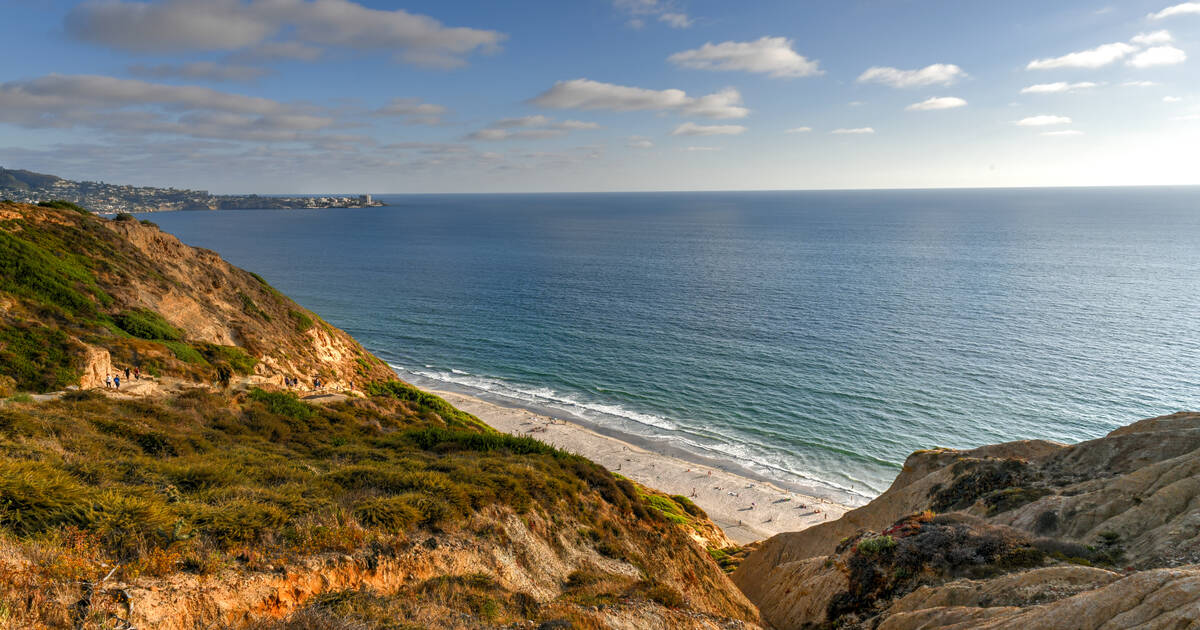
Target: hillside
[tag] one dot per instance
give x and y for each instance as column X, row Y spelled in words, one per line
column 206, row 495
column 1102, row 534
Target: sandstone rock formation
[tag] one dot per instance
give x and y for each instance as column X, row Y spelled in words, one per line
column 1031, row 516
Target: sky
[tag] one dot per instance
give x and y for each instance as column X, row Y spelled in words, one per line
column 350, row 96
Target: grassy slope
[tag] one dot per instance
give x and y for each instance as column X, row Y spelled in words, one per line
column 211, row 483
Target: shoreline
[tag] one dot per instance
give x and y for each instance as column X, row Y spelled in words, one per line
column 747, row 509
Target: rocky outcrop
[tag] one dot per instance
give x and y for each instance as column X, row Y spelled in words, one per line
column 97, row 365
column 1128, row 503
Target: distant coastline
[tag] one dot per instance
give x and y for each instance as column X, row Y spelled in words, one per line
column 104, row 198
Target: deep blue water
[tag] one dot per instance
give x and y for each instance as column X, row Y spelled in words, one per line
column 815, row 338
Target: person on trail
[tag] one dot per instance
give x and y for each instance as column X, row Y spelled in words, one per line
column 107, row 381
column 117, row 381
column 127, row 374
column 137, row 373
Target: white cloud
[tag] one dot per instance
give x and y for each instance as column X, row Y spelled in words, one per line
column 700, row 149
column 1043, row 120
column 179, row 25
column 1152, row 39
column 799, row 130
column 200, row 71
column 639, row 142
column 1158, row 56
column 1064, row 132
column 1097, row 57
column 675, row 20
column 856, row 103
column 1187, row 117
column 1058, row 88
column 937, row 102
column 1192, row 8
column 772, row 56
column 593, row 95
column 1172, row 99
column 692, row 129
column 414, row 111
column 854, row 131
column 936, row 74
column 522, row 134
column 1140, row 84
column 525, row 121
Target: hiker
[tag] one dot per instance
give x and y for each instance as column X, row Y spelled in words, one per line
column 137, row 373
column 127, row 373
column 117, row 381
column 107, row 381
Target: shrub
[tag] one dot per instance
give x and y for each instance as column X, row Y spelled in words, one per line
column 123, row 217
column 128, row 523
column 876, row 546
column 283, row 403
column 64, row 205
column 232, row 356
column 240, row 521
column 30, row 271
column 34, row 499
column 393, row 514
column 147, row 324
column 443, row 440
column 426, row 401
column 302, row 321
column 252, row 309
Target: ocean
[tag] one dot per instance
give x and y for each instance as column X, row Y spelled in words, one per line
column 810, row 338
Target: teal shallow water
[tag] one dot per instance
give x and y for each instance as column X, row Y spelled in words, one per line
column 814, row 338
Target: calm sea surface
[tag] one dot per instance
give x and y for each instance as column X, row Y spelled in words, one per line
column 815, row 338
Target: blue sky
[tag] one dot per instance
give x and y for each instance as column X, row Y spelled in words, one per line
column 310, row 96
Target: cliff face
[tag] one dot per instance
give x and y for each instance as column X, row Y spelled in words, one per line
column 124, row 293
column 1102, row 534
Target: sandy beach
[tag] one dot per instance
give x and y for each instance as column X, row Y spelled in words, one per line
column 747, row 509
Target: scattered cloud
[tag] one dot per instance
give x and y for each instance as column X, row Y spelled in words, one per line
column 1187, row 8
column 1063, row 132
column 854, row 131
column 200, row 71
column 936, row 74
column 639, row 142
column 692, row 129
column 593, row 95
column 277, row 51
column 414, row 111
column 700, row 149
column 521, row 134
column 1172, row 99
column 856, row 103
column 936, row 103
column 1097, row 57
column 1187, row 117
column 1058, row 88
column 638, row 10
column 1043, row 120
column 1152, row 39
column 772, row 56
column 234, row 25
column 536, row 127
column 1140, row 84
column 675, row 20
column 1158, row 56
column 799, row 130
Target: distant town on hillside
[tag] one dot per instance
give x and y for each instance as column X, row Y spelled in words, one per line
column 101, row 197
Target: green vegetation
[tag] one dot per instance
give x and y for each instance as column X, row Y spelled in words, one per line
column 37, row 358
column 31, row 271
column 250, row 308
column 64, row 205
column 426, row 403
column 302, row 321
column 232, row 356
column 144, row 323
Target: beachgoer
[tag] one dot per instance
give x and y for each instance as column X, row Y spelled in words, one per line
column 693, row 493
column 107, row 381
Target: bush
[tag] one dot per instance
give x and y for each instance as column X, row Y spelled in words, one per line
column 232, row 356
column 38, row 358
column 64, row 205
column 185, row 352
column 393, row 514
column 283, row 403
column 302, row 321
column 34, row 499
column 128, row 524
column 30, row 271
column 426, row 401
column 240, row 521
column 147, row 324
column 443, row 440
column 876, row 546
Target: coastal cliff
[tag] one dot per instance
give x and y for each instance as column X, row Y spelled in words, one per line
column 207, row 495
column 1101, row 534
